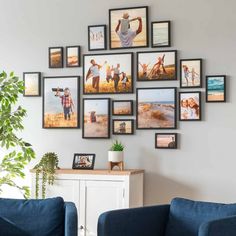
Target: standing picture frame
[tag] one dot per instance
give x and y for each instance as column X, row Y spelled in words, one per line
column 83, row 161
column 123, row 126
column 32, row 84
column 97, row 37
column 166, row 140
column 122, row 107
column 73, row 58
column 55, row 57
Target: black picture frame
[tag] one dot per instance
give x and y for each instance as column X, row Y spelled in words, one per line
column 38, row 94
column 68, row 65
column 146, row 25
column 84, row 136
column 122, row 128
column 199, row 105
column 122, row 101
column 208, row 77
column 168, row 22
column 66, row 78
column 61, row 63
column 200, row 73
column 130, row 54
column 74, row 165
column 105, row 38
column 175, row 146
column 163, row 52
column 174, row 103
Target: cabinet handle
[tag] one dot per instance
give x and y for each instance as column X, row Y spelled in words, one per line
column 81, row 227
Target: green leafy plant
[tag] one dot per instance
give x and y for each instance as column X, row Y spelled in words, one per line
column 17, row 152
column 47, row 166
column 117, row 146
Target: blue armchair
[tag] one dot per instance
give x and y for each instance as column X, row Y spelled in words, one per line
column 49, row 217
column 181, row 218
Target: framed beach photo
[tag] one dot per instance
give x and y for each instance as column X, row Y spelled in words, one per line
column 161, row 34
column 166, row 140
column 191, row 73
column 96, row 118
column 32, row 83
column 108, row 73
column 216, row 88
column 122, row 126
column 157, row 65
column 73, row 56
column 55, row 57
column 128, row 27
column 156, row 108
column 97, row 37
column 122, row 108
column 61, row 96
column 190, row 106
column 83, row 161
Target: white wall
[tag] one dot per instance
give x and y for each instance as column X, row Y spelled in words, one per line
column 204, row 166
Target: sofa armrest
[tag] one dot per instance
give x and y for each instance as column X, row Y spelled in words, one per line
column 221, row 227
column 145, row 221
column 71, row 219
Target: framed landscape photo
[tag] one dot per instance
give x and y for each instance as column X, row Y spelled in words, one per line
column 157, row 66
column 166, row 140
column 156, row 108
column 122, row 108
column 73, row 56
column 97, row 37
column 96, row 118
column 55, row 57
column 108, row 73
column 83, row 161
column 32, row 83
column 190, row 106
column 161, row 34
column 128, row 27
column 216, row 88
column 123, row 126
column 191, row 73
column 61, row 96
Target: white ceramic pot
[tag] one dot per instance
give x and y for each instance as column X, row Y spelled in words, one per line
column 115, row 156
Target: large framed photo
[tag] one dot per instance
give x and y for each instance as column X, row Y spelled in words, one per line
column 97, row 37
column 166, row 140
column 83, row 161
column 96, row 118
column 61, row 96
column 32, row 83
column 191, row 73
column 216, row 88
column 108, row 73
column 128, row 27
column 122, row 108
column 190, row 106
column 73, row 56
column 55, row 57
column 123, row 126
column 157, row 65
column 156, row 108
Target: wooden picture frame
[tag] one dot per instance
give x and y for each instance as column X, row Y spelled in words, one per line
column 97, row 36
column 73, row 58
column 123, row 126
column 83, row 161
column 32, row 84
column 166, row 140
column 55, row 57
column 123, row 109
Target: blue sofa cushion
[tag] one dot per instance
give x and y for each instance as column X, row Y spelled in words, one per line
column 36, row 217
column 186, row 216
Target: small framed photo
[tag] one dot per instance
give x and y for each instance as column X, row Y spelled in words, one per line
column 123, row 126
column 55, row 55
column 83, row 161
column 97, row 37
column 32, row 83
column 166, row 140
column 191, row 73
column 122, row 108
column 161, row 36
column 73, row 56
column 216, row 88
column 190, row 106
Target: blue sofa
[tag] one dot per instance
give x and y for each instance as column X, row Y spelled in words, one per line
column 181, row 218
column 49, row 217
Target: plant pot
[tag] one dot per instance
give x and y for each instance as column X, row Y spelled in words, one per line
column 115, row 156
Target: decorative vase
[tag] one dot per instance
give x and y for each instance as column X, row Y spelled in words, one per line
column 115, row 156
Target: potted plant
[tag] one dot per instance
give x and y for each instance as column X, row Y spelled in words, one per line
column 116, row 154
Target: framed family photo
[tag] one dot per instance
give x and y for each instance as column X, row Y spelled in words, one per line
column 156, row 108
column 32, row 83
column 123, row 126
column 55, row 57
column 166, row 140
column 128, row 27
column 108, row 73
column 97, row 37
column 157, row 65
column 61, row 108
column 73, row 56
column 122, row 108
column 96, row 118
column 83, row 161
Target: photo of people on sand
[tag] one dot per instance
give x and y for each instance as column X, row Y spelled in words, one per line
column 166, row 141
column 60, row 102
column 97, row 37
column 159, row 65
column 96, row 118
column 123, row 126
column 215, row 88
column 73, row 56
column 108, row 73
column 161, row 34
column 122, row 107
column 83, row 161
column 128, row 27
column 191, row 73
column 156, row 108
column 190, row 106
column 32, row 83
column 55, row 57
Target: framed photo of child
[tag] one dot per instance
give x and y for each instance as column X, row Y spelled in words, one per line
column 97, row 37
column 123, row 126
column 61, row 108
column 83, row 161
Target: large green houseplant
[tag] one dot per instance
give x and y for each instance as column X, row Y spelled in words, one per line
column 15, row 153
